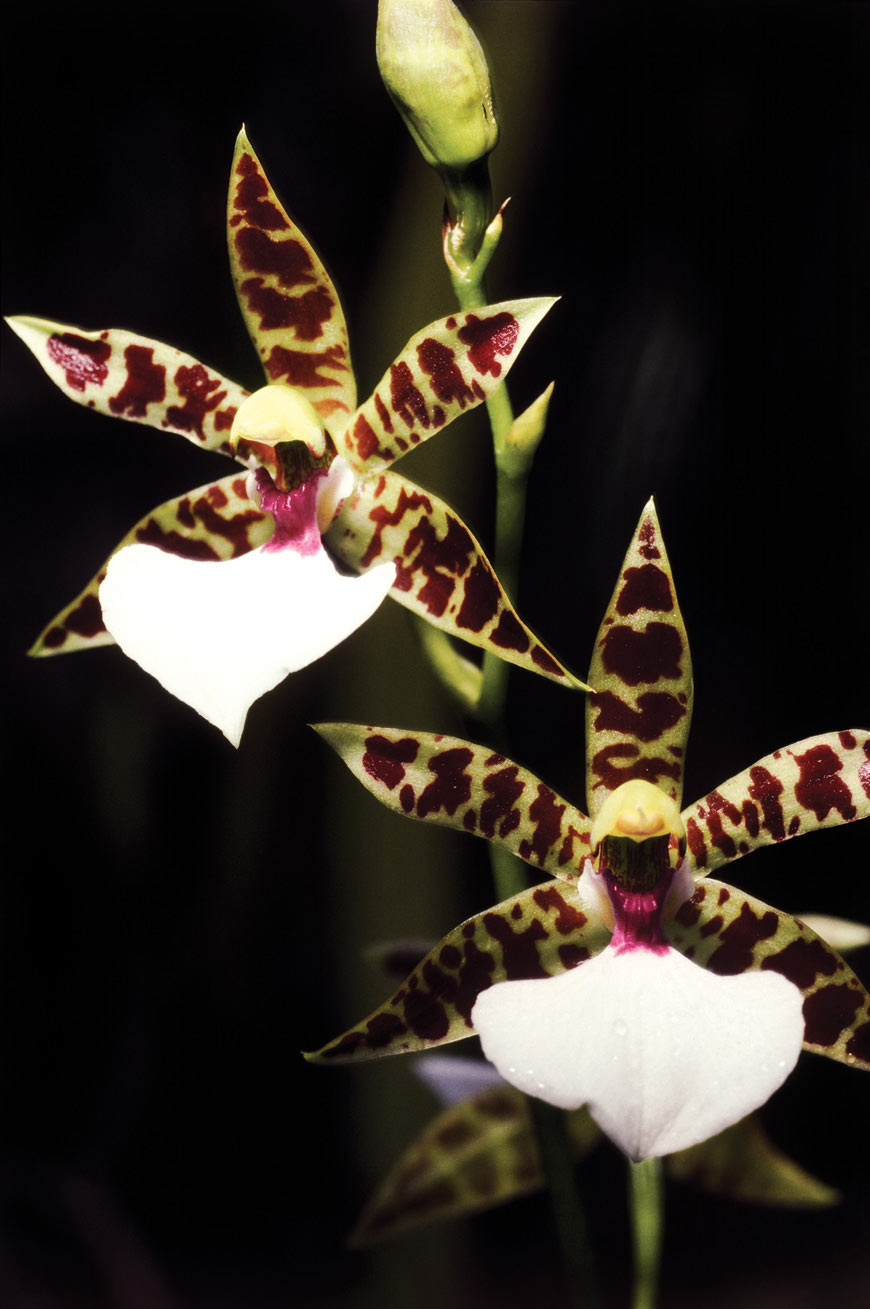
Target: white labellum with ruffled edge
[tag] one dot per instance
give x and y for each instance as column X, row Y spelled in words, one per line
column 219, row 635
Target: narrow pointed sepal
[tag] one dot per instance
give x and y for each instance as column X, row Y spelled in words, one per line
column 742, row 1163
column 442, row 573
column 452, row 365
column 289, row 303
column 219, row 635
column 539, row 933
column 128, row 376
column 447, row 781
column 663, row 1053
column 637, row 722
column 728, row 932
column 475, row 1155
column 822, row 781
column 215, row 521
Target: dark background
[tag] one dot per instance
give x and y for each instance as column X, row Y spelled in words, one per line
column 178, row 919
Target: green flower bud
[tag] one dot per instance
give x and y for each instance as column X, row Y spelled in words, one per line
column 524, row 436
column 435, row 70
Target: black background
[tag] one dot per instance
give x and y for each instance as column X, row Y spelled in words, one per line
column 178, row 919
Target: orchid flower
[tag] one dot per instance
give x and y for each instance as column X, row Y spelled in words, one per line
column 218, row 637
column 669, row 1003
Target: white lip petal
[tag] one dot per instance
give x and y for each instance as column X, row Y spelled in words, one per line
column 663, row 1053
column 219, row 635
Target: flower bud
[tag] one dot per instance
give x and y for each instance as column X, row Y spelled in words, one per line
column 435, row 71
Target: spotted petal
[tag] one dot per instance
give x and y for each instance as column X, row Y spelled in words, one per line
column 442, row 573
column 729, row 932
column 468, row 787
column 219, row 635
column 663, row 1053
column 822, row 781
column 129, row 376
column 215, row 521
column 477, row 1154
column 539, row 933
column 637, row 722
column 450, row 366
column 291, row 308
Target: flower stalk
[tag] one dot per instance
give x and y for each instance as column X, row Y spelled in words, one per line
column 646, row 1195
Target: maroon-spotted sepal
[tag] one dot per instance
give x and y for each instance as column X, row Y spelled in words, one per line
column 442, row 573
column 125, row 375
column 479, row 1153
column 450, row 366
column 444, row 780
column 637, row 722
column 822, row 781
column 289, row 303
column 540, row 933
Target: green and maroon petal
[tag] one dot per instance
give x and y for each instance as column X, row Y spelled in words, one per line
column 216, row 521
column 452, row 365
column 467, row 787
column 473, row 1156
column 291, row 308
column 742, row 1163
column 637, row 721
column 820, row 782
column 729, row 932
column 540, row 933
column 128, row 376
column 442, row 573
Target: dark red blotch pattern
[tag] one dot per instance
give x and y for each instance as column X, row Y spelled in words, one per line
column 499, row 945
column 728, row 825
column 638, row 659
column 446, row 574
column 86, row 363
column 486, row 340
column 457, row 776
column 284, row 290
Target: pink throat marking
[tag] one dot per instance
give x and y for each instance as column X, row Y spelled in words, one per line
column 637, row 915
column 295, row 513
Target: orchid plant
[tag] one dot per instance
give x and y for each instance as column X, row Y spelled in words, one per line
column 319, row 469
column 668, row 1002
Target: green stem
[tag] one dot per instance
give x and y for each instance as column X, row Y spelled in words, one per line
column 467, row 265
column 646, row 1190
column 467, row 274
column 510, row 512
column 557, row 1162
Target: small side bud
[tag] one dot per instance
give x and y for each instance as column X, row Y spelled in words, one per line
column 435, row 71
column 525, row 434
